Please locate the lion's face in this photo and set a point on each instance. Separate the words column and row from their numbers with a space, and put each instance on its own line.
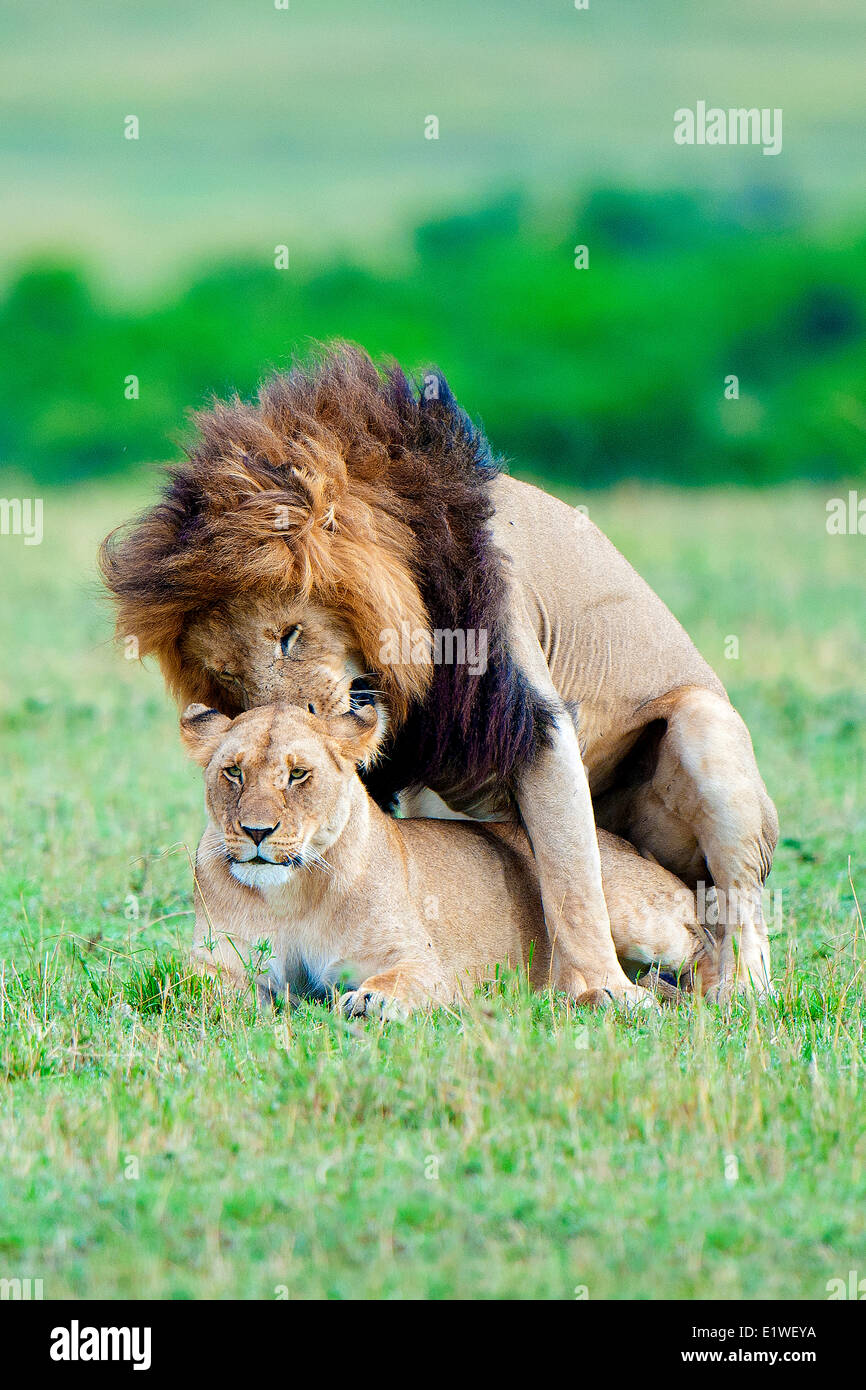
column 283, row 652
column 278, row 783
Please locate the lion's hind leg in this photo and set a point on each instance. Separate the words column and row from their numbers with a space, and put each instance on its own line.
column 706, row 788
column 654, row 918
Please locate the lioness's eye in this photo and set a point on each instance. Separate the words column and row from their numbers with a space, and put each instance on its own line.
column 288, row 639
column 233, row 773
column 299, row 774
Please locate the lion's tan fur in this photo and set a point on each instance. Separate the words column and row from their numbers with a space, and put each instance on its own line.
column 353, row 504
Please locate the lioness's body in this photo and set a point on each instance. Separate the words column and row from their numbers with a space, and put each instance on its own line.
column 413, row 910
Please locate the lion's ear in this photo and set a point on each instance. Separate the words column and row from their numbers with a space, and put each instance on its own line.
column 200, row 731
column 359, row 733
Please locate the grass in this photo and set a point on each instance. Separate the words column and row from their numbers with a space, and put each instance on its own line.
column 156, row 1140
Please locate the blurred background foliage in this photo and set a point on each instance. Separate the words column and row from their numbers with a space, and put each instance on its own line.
column 583, row 376
column 305, row 127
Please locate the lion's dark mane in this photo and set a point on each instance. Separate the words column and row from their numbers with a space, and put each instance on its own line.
column 472, row 731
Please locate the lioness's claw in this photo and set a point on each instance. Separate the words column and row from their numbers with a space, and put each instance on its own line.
column 367, row 1003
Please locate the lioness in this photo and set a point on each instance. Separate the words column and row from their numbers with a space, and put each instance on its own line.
column 298, row 856
column 348, row 538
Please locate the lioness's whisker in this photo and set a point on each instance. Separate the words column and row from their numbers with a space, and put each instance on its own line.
column 312, row 857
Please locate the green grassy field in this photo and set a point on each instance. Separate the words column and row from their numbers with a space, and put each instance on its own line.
column 155, row 1144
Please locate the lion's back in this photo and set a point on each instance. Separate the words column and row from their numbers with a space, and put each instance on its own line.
column 610, row 642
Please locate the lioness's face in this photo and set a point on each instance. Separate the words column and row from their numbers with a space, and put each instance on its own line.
column 278, row 653
column 278, row 783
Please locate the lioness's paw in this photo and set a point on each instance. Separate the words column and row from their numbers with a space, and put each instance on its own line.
column 629, row 1000
column 368, row 1003
column 727, row 990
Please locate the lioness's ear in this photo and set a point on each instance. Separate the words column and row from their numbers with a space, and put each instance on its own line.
column 359, row 733
column 200, row 731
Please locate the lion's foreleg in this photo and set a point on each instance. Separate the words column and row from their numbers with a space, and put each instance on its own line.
column 555, row 805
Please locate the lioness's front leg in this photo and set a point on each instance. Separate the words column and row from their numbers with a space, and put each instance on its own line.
column 225, row 963
column 230, row 957
column 393, row 993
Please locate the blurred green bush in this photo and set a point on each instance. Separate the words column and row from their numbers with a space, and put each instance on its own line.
column 580, row 375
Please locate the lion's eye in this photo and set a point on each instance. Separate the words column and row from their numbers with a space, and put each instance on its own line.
column 288, row 639
column 230, row 678
column 234, row 774
column 299, row 774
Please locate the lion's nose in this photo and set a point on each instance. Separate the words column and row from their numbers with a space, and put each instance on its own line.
column 257, row 833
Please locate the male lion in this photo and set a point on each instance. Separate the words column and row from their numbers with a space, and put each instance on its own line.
column 303, row 884
column 348, row 537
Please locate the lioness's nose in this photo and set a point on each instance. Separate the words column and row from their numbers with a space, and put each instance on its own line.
column 257, row 833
